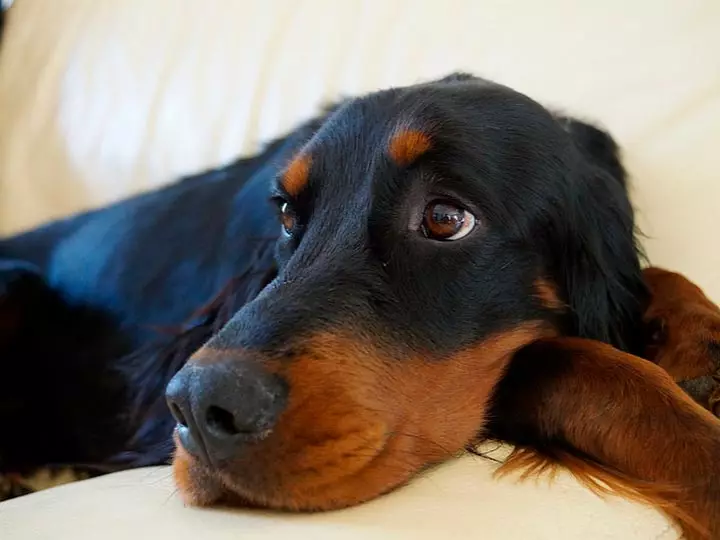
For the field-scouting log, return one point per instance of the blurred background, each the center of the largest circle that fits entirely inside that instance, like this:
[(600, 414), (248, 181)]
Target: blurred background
[(100, 99)]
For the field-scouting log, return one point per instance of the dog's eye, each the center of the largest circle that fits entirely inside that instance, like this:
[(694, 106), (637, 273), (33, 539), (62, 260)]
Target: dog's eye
[(287, 218), (446, 221)]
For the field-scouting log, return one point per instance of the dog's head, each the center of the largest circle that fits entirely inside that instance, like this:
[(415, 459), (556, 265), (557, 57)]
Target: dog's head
[(428, 232)]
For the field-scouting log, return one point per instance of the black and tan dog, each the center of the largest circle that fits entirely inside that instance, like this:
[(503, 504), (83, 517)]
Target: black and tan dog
[(452, 262)]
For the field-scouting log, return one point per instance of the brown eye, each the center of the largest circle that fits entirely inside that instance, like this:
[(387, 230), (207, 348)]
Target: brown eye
[(446, 221), (287, 218)]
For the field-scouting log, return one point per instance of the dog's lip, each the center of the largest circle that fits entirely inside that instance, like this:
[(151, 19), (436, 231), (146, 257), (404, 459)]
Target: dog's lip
[(252, 497), (194, 447), (244, 492), (238, 493)]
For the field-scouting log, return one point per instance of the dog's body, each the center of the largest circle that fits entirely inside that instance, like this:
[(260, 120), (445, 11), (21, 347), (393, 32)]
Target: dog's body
[(122, 279), (456, 263)]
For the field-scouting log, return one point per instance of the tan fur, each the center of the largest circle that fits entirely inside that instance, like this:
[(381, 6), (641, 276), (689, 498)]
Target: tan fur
[(296, 174), (408, 145), (546, 292)]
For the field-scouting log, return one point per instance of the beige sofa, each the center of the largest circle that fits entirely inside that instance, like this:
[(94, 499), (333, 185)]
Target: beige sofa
[(100, 99)]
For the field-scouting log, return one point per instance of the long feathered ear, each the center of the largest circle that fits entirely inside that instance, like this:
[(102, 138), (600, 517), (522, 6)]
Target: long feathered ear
[(597, 146), (597, 258)]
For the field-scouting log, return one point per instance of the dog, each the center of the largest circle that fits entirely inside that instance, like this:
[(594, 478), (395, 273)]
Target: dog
[(411, 272)]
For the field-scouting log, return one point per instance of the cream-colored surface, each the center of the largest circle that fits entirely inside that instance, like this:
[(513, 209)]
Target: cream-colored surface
[(100, 99), (458, 501)]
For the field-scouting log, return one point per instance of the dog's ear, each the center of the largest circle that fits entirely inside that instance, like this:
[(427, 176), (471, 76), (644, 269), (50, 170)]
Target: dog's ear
[(597, 256), (459, 76), (597, 145)]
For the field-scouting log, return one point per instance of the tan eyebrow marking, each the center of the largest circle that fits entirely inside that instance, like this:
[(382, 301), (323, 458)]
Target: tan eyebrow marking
[(296, 174), (407, 145)]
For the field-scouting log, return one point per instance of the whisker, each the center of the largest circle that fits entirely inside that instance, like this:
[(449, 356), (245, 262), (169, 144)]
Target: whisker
[(163, 478), (173, 493), (472, 450)]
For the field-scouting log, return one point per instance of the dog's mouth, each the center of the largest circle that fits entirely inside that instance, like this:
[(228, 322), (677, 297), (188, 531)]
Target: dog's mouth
[(303, 476), (355, 425), (343, 438)]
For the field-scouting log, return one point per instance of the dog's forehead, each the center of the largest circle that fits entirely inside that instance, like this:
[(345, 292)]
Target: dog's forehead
[(368, 127), (362, 127), (361, 136), (368, 138)]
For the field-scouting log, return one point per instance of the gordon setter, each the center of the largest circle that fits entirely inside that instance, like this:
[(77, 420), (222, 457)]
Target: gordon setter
[(453, 262)]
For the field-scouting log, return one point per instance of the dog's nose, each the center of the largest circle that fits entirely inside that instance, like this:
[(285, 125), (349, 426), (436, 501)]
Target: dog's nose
[(224, 405)]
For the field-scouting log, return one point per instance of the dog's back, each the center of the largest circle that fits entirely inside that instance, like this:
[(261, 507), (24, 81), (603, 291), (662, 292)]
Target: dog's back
[(79, 295)]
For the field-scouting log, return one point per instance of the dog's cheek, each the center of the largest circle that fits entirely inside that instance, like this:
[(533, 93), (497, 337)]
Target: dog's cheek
[(446, 401)]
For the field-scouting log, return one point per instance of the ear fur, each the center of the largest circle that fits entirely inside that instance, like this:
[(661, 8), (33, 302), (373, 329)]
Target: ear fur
[(598, 257), (597, 145)]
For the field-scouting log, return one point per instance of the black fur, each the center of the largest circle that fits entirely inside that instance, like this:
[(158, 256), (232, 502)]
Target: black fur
[(113, 308)]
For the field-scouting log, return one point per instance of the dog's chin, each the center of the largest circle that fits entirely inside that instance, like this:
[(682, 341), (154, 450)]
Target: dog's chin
[(313, 491)]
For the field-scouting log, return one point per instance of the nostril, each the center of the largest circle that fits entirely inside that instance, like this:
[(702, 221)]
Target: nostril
[(221, 421), (178, 415)]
